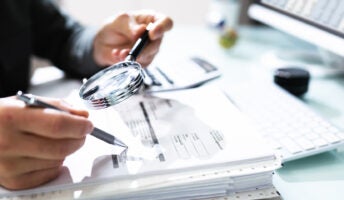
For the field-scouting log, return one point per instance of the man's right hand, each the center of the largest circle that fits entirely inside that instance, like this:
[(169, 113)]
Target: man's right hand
[(34, 142)]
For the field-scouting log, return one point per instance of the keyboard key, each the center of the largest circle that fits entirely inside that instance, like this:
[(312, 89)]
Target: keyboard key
[(290, 145), (340, 135), (305, 144), (311, 136), (274, 144), (320, 142), (331, 138)]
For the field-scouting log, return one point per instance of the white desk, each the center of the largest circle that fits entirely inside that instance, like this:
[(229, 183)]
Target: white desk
[(316, 177)]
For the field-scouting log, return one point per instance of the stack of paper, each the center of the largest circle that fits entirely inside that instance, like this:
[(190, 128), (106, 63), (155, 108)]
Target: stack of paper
[(188, 144)]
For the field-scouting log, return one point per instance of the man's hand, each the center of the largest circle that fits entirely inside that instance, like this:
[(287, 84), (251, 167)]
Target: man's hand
[(34, 142), (115, 39)]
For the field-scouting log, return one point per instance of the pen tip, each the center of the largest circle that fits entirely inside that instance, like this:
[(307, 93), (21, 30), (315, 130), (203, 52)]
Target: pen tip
[(121, 144)]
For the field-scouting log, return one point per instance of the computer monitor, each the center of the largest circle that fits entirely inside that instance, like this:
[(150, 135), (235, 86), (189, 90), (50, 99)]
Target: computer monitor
[(320, 22)]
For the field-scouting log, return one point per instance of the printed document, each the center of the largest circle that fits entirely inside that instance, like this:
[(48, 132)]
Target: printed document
[(181, 131)]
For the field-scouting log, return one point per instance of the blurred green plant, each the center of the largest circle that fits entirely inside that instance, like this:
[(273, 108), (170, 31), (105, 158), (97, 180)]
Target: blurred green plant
[(228, 38)]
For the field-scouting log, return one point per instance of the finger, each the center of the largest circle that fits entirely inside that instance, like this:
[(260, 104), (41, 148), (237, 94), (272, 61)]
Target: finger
[(45, 122), (29, 145), (12, 166), (116, 30), (162, 24), (145, 16), (116, 33), (148, 54), (63, 105), (108, 55), (113, 55), (123, 53), (59, 103), (31, 179), (54, 124), (121, 24)]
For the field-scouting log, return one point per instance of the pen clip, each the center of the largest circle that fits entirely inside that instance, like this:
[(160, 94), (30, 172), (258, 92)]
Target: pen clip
[(21, 96)]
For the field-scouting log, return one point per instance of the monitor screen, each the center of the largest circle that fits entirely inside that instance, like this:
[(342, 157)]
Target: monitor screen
[(320, 22)]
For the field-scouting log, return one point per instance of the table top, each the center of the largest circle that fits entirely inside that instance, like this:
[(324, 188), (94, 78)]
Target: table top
[(315, 177)]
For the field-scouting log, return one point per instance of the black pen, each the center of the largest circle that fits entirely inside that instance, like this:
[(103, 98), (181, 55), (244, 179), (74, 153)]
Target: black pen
[(31, 101)]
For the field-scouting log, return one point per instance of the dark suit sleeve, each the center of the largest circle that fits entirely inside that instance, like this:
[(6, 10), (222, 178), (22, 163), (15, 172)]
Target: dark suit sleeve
[(62, 40)]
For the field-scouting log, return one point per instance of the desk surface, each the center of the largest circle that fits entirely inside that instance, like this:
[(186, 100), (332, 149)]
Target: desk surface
[(315, 177)]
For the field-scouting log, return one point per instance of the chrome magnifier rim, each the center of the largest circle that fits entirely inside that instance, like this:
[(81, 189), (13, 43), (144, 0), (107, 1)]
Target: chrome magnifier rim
[(114, 97), (100, 91), (110, 101)]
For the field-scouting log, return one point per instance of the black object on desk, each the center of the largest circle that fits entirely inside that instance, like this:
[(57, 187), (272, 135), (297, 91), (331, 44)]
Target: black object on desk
[(293, 79)]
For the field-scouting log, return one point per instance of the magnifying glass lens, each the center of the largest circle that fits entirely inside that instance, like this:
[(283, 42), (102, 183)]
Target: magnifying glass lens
[(112, 85), (116, 83)]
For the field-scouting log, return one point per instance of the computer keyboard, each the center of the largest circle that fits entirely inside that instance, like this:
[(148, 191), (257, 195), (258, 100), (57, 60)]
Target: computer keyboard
[(288, 124)]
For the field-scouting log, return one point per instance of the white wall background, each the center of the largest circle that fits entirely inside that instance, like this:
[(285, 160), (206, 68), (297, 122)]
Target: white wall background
[(95, 11)]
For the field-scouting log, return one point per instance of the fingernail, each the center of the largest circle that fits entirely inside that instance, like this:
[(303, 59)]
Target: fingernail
[(89, 128), (66, 104), (157, 33)]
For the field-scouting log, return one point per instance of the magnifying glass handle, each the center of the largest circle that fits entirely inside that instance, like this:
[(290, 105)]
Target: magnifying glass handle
[(139, 44)]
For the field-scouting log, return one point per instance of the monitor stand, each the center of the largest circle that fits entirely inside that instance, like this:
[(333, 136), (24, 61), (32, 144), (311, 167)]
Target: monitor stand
[(319, 62)]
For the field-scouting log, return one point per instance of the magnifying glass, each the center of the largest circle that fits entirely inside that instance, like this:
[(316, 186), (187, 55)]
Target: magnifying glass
[(118, 82)]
